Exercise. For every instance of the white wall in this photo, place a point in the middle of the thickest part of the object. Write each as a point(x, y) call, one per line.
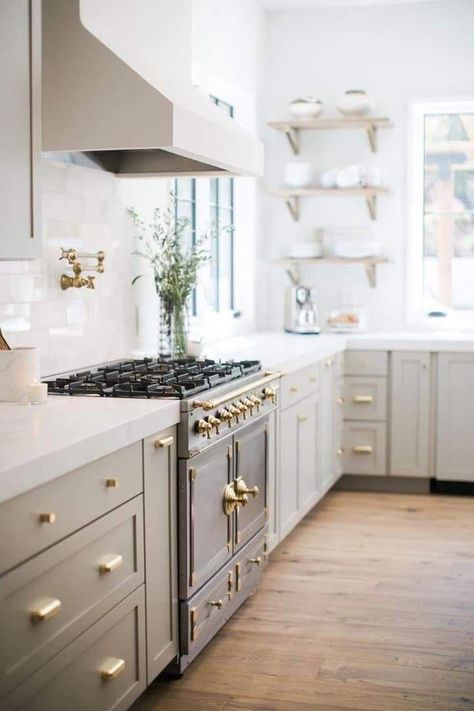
point(398, 54)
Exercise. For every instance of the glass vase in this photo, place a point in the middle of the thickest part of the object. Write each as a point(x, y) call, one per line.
point(165, 343)
point(179, 331)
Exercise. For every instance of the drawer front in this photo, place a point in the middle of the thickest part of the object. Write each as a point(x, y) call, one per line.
point(365, 448)
point(32, 522)
point(366, 363)
point(250, 563)
point(103, 669)
point(298, 385)
point(50, 600)
point(204, 613)
point(365, 398)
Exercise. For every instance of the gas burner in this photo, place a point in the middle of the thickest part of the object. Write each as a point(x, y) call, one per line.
point(152, 378)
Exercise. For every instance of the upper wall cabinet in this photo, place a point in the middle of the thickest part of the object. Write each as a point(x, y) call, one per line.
point(20, 128)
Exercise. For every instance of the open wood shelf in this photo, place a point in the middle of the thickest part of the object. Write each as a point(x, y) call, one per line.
point(370, 264)
point(292, 197)
point(292, 128)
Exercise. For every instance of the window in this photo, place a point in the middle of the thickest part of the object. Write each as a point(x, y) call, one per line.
point(208, 203)
point(444, 209)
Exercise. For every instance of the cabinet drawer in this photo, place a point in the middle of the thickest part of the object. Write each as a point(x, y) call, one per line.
point(366, 363)
point(103, 669)
point(298, 385)
point(36, 520)
point(364, 448)
point(250, 562)
point(50, 600)
point(365, 398)
point(204, 613)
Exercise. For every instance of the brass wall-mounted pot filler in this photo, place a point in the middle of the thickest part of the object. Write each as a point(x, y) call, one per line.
point(78, 281)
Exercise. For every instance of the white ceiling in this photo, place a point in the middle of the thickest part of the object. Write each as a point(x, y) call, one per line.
point(275, 5)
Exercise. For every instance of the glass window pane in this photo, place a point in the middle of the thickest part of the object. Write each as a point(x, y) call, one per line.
point(184, 188)
point(225, 272)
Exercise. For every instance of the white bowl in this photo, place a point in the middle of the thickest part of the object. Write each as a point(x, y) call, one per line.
point(356, 248)
point(355, 102)
point(298, 174)
point(306, 250)
point(306, 107)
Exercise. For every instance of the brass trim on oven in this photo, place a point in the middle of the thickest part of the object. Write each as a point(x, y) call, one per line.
point(211, 404)
point(192, 480)
point(193, 623)
point(237, 577)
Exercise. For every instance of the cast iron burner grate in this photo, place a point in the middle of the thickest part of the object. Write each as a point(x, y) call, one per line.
point(152, 378)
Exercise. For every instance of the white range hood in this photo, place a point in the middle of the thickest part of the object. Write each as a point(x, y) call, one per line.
point(96, 103)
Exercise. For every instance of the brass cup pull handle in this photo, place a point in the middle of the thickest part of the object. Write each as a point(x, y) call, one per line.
point(111, 668)
point(363, 399)
point(363, 449)
point(112, 483)
point(232, 499)
point(303, 418)
point(217, 603)
point(242, 489)
point(165, 442)
point(256, 561)
point(110, 563)
point(45, 609)
point(47, 517)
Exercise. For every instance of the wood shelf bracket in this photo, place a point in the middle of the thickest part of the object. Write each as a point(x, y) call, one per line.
point(371, 271)
point(372, 136)
point(372, 206)
point(293, 205)
point(293, 136)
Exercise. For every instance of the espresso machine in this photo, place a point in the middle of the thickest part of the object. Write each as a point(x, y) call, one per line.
point(301, 309)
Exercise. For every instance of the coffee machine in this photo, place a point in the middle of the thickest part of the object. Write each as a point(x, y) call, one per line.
point(301, 310)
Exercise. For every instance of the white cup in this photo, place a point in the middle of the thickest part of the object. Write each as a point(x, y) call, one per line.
point(19, 368)
point(298, 174)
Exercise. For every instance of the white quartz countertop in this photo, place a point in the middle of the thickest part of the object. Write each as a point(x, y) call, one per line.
point(287, 351)
point(41, 442)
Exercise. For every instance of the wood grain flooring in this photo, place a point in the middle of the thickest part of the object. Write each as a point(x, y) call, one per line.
point(368, 604)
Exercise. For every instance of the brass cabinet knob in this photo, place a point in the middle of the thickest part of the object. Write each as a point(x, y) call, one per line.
point(232, 500)
point(242, 488)
point(235, 411)
point(214, 422)
point(112, 483)
point(225, 416)
point(47, 517)
point(340, 401)
point(294, 389)
point(340, 451)
point(111, 668)
point(269, 394)
point(110, 563)
point(217, 603)
point(204, 428)
point(257, 561)
point(45, 609)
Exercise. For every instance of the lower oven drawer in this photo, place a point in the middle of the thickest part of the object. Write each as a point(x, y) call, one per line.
point(203, 614)
point(250, 562)
point(104, 668)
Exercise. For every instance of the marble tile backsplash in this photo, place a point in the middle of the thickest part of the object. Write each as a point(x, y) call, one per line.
point(82, 208)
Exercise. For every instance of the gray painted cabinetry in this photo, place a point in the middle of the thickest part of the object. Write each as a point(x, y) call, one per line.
point(20, 128)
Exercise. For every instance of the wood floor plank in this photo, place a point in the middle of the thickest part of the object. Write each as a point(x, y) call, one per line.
point(368, 605)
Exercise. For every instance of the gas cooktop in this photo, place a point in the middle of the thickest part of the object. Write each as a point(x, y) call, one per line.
point(152, 378)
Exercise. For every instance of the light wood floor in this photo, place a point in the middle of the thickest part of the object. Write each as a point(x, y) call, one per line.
point(368, 604)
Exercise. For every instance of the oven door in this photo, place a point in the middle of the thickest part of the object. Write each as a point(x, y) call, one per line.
point(251, 472)
point(205, 532)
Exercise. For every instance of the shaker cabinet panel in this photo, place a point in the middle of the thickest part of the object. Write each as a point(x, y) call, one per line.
point(20, 131)
point(410, 414)
point(289, 513)
point(309, 468)
point(455, 451)
point(160, 483)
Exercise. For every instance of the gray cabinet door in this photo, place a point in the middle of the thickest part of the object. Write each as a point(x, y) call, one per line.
point(251, 463)
point(308, 452)
point(410, 414)
point(455, 452)
point(20, 130)
point(205, 531)
point(161, 536)
point(288, 484)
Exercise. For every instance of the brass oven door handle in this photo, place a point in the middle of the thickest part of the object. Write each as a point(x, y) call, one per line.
point(363, 399)
point(211, 404)
point(362, 449)
point(232, 500)
point(111, 668)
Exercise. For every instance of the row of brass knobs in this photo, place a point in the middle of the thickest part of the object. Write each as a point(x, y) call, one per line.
point(241, 408)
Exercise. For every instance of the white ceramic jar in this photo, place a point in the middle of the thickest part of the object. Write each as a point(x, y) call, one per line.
point(19, 369)
point(355, 102)
point(306, 107)
point(298, 174)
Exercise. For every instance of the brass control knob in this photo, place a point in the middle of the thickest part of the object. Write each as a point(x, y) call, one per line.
point(204, 428)
point(232, 500)
point(249, 404)
point(242, 489)
point(257, 401)
point(269, 394)
point(225, 416)
point(214, 422)
point(243, 408)
point(235, 411)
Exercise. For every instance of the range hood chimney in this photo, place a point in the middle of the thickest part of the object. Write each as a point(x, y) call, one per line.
point(95, 103)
